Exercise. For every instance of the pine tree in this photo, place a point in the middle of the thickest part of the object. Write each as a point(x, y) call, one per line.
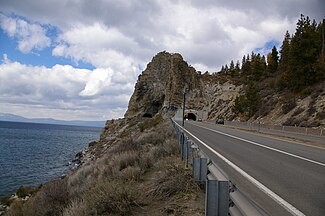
point(232, 68)
point(237, 67)
point(304, 52)
point(272, 60)
point(285, 49)
point(257, 66)
point(253, 99)
point(226, 69)
point(320, 64)
point(246, 66)
point(222, 69)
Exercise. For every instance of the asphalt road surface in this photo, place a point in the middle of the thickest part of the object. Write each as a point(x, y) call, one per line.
point(293, 171)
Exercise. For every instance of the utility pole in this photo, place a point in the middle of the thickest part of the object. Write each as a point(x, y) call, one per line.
point(184, 97)
point(323, 41)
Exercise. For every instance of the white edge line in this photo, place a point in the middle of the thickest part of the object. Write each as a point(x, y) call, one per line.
point(290, 208)
point(267, 147)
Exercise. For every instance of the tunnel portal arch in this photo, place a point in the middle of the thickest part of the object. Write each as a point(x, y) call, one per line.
point(191, 116)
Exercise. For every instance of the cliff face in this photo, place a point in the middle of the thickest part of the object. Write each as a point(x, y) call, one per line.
point(160, 87)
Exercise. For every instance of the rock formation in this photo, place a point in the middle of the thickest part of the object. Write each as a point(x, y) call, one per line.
point(160, 87)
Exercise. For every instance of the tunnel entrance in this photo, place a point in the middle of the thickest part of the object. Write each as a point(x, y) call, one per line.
point(191, 116)
point(147, 115)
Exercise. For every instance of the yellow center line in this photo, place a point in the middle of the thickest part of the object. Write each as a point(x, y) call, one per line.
point(275, 138)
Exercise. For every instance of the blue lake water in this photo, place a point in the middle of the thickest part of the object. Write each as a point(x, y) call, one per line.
point(31, 154)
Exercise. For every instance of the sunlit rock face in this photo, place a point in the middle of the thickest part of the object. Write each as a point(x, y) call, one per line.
point(160, 87)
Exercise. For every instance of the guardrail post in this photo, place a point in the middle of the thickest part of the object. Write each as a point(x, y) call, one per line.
point(217, 198)
point(217, 193)
point(200, 169)
point(191, 151)
point(188, 152)
point(185, 145)
point(181, 142)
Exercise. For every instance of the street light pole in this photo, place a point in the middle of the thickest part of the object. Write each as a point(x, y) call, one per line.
point(184, 97)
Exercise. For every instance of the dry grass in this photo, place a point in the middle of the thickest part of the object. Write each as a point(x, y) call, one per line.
point(112, 197)
point(50, 200)
point(173, 179)
point(78, 208)
point(126, 144)
point(149, 123)
point(125, 159)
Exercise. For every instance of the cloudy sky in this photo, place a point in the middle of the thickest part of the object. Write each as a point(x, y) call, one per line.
point(80, 59)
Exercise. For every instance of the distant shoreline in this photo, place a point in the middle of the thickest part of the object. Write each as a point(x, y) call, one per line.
point(56, 124)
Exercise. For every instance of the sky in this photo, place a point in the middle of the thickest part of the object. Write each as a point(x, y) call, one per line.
point(80, 59)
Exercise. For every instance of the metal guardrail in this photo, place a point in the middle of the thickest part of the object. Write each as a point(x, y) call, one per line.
point(222, 198)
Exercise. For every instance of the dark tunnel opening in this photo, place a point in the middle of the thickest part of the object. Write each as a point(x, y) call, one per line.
point(191, 116)
point(147, 115)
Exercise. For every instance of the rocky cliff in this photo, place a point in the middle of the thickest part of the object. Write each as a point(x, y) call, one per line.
point(160, 87)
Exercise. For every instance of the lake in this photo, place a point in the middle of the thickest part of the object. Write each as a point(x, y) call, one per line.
point(31, 154)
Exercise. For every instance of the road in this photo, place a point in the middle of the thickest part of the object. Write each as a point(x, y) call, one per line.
point(295, 172)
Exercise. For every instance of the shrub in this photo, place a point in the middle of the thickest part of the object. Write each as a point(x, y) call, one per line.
point(126, 159)
point(16, 209)
point(149, 123)
point(126, 144)
point(306, 92)
point(292, 122)
point(50, 200)
point(172, 147)
point(78, 178)
point(131, 173)
point(173, 179)
point(78, 208)
point(288, 104)
point(167, 148)
point(311, 110)
point(157, 152)
point(25, 191)
point(112, 197)
point(321, 115)
point(146, 162)
point(298, 111)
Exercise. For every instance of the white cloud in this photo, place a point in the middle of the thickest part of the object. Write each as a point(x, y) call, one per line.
point(75, 92)
point(97, 80)
point(120, 37)
point(29, 36)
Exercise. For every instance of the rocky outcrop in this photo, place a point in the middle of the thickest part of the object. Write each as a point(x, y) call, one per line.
point(160, 86)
